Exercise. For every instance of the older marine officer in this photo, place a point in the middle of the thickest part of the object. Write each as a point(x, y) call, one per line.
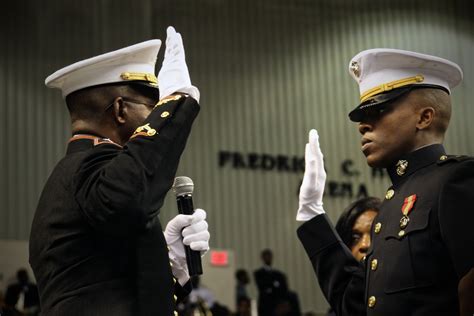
point(97, 245)
point(421, 259)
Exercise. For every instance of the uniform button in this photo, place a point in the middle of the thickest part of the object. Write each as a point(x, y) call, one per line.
point(443, 157)
point(175, 313)
point(401, 233)
point(373, 264)
point(372, 301)
point(378, 228)
point(390, 193)
point(165, 114)
point(175, 298)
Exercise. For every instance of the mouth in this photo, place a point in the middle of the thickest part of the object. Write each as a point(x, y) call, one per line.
point(365, 144)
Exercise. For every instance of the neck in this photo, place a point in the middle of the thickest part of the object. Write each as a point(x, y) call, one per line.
point(426, 138)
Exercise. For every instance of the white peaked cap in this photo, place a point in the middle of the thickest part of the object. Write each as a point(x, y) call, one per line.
point(383, 69)
point(384, 74)
point(133, 63)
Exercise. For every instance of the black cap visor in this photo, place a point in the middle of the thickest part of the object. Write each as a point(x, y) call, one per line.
point(150, 87)
point(378, 100)
point(381, 100)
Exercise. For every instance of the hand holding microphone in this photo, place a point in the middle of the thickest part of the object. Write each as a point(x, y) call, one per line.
point(186, 234)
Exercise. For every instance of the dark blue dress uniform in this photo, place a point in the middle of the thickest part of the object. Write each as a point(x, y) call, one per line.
point(416, 259)
point(96, 244)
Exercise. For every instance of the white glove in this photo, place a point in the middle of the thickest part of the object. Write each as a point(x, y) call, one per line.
point(312, 187)
point(174, 75)
point(194, 234)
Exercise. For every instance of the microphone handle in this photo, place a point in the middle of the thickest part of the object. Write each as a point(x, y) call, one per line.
point(193, 258)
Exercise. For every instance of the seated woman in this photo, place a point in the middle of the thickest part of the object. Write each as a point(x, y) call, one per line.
point(353, 226)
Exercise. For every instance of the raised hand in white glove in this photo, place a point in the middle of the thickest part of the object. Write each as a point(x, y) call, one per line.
point(174, 75)
point(312, 187)
point(194, 235)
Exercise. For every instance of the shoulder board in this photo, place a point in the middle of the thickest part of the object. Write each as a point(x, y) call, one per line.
point(454, 158)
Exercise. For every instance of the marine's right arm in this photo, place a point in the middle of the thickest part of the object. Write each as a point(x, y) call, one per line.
point(340, 276)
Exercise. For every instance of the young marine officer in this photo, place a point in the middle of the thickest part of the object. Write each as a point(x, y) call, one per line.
point(96, 244)
point(421, 261)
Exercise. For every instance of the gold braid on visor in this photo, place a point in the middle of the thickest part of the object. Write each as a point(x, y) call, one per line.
point(390, 86)
point(150, 78)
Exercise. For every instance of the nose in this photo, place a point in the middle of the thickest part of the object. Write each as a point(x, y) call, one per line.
point(364, 127)
point(365, 244)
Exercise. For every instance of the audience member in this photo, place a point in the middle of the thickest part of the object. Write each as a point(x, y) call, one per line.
point(274, 296)
point(243, 279)
point(271, 285)
point(22, 295)
point(244, 306)
point(202, 300)
point(353, 226)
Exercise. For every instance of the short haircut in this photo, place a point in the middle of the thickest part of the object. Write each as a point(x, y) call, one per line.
point(240, 274)
point(440, 101)
point(266, 252)
point(347, 219)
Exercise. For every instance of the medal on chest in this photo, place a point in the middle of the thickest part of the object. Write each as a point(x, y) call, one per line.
point(406, 209)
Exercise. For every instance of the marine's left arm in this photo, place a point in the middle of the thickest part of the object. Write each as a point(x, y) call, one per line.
point(456, 216)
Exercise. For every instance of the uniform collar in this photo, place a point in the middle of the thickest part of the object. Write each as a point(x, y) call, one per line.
point(410, 163)
point(81, 142)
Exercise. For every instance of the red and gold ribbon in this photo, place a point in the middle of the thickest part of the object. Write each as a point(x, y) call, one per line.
point(408, 204)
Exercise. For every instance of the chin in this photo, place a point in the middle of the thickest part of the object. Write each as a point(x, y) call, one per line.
point(376, 162)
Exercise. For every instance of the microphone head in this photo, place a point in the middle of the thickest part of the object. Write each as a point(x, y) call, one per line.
point(183, 186)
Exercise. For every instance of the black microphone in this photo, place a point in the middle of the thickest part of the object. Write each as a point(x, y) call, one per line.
point(183, 187)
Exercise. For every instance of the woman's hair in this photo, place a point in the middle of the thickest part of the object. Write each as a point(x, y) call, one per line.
point(351, 213)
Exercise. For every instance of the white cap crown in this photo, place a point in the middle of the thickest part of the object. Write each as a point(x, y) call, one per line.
point(132, 63)
point(383, 69)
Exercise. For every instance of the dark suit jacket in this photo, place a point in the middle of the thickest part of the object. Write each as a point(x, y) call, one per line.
point(412, 270)
point(96, 243)
point(272, 287)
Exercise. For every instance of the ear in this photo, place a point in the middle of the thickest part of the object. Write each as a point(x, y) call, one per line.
point(119, 109)
point(425, 118)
